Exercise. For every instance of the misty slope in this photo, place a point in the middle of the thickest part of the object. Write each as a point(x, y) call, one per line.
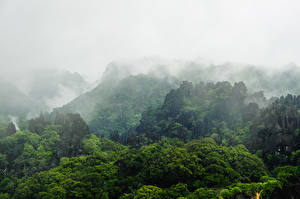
point(117, 103)
point(37, 91)
point(122, 110)
point(198, 110)
point(13, 102)
point(221, 111)
point(85, 103)
point(198, 153)
point(191, 142)
point(273, 82)
point(52, 88)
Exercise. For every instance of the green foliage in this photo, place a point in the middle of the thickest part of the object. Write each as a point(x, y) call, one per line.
point(203, 193)
point(275, 132)
point(73, 130)
point(154, 171)
point(192, 145)
point(217, 110)
point(177, 191)
point(83, 177)
point(296, 157)
point(93, 145)
point(117, 105)
point(250, 190)
point(149, 192)
point(4, 196)
point(226, 165)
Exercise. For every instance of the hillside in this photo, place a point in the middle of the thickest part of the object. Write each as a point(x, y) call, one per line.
point(148, 136)
point(53, 88)
point(273, 83)
point(117, 103)
point(14, 102)
point(205, 140)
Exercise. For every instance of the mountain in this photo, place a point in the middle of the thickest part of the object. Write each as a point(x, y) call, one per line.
point(217, 109)
point(273, 82)
point(53, 88)
point(117, 103)
point(13, 102)
point(37, 91)
point(199, 152)
point(179, 139)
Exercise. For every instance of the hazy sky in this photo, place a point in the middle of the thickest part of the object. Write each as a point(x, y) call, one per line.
point(85, 35)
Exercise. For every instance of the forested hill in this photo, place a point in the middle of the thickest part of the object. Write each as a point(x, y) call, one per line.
point(213, 109)
point(223, 112)
point(117, 106)
point(205, 140)
point(275, 82)
point(149, 137)
point(125, 90)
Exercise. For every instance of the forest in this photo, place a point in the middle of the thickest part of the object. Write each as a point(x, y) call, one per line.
point(148, 137)
point(149, 99)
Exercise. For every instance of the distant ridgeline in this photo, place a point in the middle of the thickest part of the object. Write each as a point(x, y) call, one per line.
point(13, 102)
point(117, 106)
point(168, 139)
point(274, 83)
point(219, 110)
point(43, 89)
point(117, 103)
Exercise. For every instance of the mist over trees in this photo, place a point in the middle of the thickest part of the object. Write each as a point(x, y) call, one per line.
point(38, 91)
point(146, 99)
point(144, 134)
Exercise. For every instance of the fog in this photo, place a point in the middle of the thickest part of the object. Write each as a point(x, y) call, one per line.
point(119, 94)
point(85, 36)
point(45, 45)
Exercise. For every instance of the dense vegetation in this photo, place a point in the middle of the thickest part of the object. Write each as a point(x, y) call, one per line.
point(275, 82)
point(117, 106)
point(146, 139)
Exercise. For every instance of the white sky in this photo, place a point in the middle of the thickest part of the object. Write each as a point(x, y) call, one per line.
point(85, 35)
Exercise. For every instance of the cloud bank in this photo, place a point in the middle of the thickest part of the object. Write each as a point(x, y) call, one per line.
point(85, 36)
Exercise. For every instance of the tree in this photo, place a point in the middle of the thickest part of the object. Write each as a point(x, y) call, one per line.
point(73, 130)
point(37, 125)
point(149, 192)
point(11, 129)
